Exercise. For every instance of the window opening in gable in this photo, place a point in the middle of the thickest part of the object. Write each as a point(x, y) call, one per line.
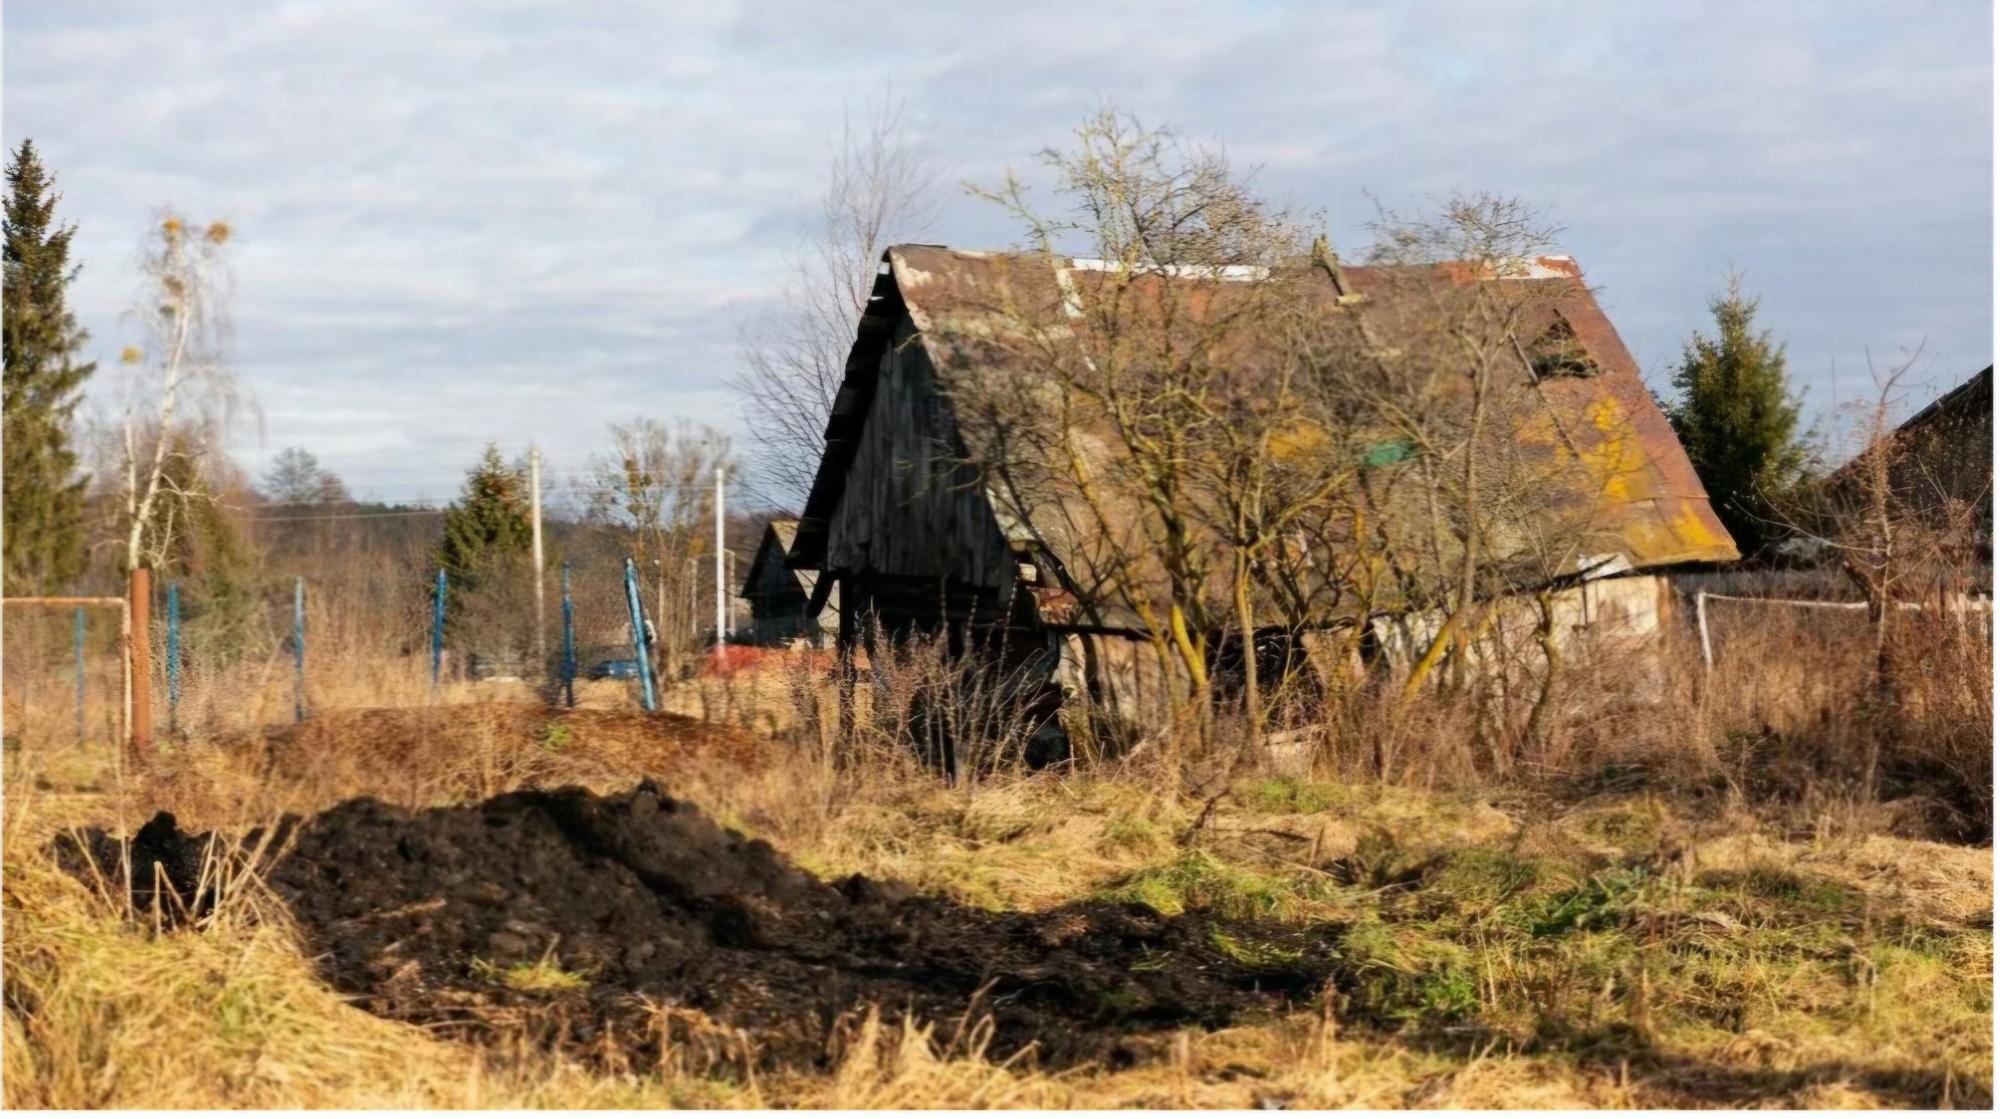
point(1559, 353)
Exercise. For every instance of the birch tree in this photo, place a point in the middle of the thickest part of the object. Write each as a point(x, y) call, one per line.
point(180, 395)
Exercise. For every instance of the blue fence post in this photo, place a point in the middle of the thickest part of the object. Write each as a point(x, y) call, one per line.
point(299, 650)
point(437, 632)
point(173, 658)
point(79, 675)
point(638, 632)
point(569, 642)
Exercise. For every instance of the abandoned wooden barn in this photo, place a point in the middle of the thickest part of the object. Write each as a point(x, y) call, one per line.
point(782, 611)
point(909, 520)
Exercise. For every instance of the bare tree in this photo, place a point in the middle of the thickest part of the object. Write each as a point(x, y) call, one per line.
point(1906, 521)
point(297, 478)
point(180, 396)
point(1462, 374)
point(657, 483)
point(881, 185)
point(1226, 443)
point(1141, 415)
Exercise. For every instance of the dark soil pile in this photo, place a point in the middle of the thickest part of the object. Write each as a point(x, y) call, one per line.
point(599, 922)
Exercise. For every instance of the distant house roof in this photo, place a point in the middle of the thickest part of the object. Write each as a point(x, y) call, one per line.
point(772, 547)
point(1972, 397)
point(1939, 459)
point(1971, 400)
point(1649, 507)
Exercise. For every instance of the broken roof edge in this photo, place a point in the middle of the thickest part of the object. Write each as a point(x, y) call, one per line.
point(1965, 391)
point(1538, 266)
point(886, 306)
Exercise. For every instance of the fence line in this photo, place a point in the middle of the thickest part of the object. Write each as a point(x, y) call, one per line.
point(124, 606)
point(1961, 604)
point(299, 650)
point(167, 660)
point(173, 659)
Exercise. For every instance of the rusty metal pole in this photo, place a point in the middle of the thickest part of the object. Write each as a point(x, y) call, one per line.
point(139, 656)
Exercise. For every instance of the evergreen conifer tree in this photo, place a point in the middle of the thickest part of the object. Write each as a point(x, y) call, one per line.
point(43, 494)
point(1738, 419)
point(489, 522)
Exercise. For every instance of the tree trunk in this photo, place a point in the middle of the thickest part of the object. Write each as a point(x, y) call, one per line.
point(1545, 635)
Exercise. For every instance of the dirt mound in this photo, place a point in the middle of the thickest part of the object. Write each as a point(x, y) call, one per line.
point(601, 922)
point(434, 755)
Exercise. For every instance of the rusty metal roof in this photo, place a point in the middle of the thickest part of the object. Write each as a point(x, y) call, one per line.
point(1649, 506)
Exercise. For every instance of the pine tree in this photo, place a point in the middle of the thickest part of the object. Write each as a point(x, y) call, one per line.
point(488, 523)
point(1738, 420)
point(43, 494)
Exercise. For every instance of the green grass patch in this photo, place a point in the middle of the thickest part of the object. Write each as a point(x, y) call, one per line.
point(1135, 833)
point(1480, 877)
point(1289, 795)
point(1606, 901)
point(543, 976)
point(1200, 881)
point(556, 737)
point(1251, 952)
point(1409, 975)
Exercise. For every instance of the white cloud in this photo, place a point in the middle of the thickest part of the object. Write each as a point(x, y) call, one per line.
point(526, 220)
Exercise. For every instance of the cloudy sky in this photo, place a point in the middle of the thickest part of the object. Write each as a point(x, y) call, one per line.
point(524, 220)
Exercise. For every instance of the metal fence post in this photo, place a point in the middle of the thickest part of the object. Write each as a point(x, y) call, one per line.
point(299, 650)
point(569, 642)
point(79, 675)
point(1701, 623)
point(639, 632)
point(173, 658)
point(437, 632)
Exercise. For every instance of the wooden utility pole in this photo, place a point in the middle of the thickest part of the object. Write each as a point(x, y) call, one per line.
point(721, 622)
point(535, 513)
point(139, 663)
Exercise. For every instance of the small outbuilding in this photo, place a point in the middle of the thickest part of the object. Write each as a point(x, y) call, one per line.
point(782, 610)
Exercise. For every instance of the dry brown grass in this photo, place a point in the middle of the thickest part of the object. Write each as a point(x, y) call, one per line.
point(1690, 901)
point(1862, 981)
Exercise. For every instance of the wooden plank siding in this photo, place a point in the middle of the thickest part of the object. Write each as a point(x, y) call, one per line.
point(780, 603)
point(912, 507)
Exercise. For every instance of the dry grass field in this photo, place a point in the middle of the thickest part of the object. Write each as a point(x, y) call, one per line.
point(1695, 904)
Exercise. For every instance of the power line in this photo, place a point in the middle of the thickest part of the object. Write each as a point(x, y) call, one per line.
point(352, 516)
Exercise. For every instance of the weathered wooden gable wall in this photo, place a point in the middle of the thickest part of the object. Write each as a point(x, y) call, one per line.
point(912, 508)
point(779, 606)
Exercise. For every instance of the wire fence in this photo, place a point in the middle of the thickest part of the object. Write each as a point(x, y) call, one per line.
point(347, 639)
point(1968, 611)
point(65, 684)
